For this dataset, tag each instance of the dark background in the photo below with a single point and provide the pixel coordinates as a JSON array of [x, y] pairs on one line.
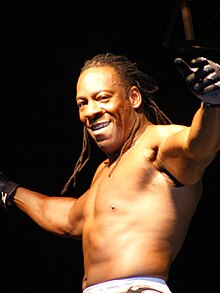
[[44, 45]]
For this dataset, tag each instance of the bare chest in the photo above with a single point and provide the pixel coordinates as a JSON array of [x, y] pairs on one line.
[[131, 183]]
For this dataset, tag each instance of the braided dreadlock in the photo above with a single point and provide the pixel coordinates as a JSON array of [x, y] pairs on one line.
[[131, 76]]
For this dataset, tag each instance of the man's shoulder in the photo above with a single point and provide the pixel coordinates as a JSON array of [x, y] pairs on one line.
[[162, 131], [165, 130]]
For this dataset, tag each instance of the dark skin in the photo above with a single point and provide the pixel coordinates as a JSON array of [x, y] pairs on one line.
[[133, 219]]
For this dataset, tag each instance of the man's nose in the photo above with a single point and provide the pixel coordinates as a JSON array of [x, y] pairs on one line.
[[93, 109]]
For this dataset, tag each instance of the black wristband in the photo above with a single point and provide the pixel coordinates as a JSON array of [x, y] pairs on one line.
[[7, 194], [7, 191], [211, 105]]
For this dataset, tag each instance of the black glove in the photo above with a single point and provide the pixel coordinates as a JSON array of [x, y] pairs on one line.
[[8, 190], [202, 78]]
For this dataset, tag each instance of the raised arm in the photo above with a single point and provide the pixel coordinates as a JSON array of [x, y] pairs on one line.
[[203, 79], [54, 214], [189, 151]]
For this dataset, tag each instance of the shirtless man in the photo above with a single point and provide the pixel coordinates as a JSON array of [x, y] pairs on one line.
[[135, 216]]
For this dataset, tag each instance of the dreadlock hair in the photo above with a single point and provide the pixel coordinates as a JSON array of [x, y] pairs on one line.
[[131, 76], [79, 164]]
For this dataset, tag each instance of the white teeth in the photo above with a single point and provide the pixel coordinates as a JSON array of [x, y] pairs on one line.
[[100, 125]]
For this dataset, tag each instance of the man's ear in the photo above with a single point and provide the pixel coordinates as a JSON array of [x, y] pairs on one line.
[[135, 97]]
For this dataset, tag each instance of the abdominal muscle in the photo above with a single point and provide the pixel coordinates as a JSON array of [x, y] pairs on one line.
[[123, 252], [133, 228]]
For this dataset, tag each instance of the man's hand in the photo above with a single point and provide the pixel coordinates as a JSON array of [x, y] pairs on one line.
[[202, 78]]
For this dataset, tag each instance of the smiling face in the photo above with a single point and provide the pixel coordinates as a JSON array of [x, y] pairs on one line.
[[106, 108]]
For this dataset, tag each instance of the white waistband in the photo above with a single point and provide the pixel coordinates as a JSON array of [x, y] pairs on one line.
[[122, 285]]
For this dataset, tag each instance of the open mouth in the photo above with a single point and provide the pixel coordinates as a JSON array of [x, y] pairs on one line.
[[99, 126]]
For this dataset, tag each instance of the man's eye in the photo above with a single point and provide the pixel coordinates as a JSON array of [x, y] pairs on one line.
[[103, 98], [81, 104]]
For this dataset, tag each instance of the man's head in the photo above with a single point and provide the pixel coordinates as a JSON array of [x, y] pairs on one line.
[[108, 107], [113, 85]]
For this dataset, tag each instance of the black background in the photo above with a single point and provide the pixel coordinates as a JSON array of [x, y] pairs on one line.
[[44, 46]]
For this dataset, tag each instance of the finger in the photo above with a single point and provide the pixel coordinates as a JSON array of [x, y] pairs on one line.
[[203, 62], [199, 62], [211, 79], [183, 67], [199, 75], [215, 88], [211, 94]]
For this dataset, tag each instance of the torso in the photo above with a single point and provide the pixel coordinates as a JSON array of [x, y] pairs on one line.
[[135, 221]]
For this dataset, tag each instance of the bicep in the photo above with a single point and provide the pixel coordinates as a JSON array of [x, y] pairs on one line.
[[174, 156], [58, 215]]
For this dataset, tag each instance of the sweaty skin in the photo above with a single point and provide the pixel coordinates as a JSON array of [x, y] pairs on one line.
[[133, 219]]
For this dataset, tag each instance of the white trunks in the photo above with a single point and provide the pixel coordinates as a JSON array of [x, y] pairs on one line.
[[124, 284]]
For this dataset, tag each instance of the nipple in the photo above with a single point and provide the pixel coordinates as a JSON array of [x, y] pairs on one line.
[[113, 206]]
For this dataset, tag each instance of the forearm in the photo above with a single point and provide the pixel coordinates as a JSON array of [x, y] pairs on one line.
[[203, 79], [203, 141]]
